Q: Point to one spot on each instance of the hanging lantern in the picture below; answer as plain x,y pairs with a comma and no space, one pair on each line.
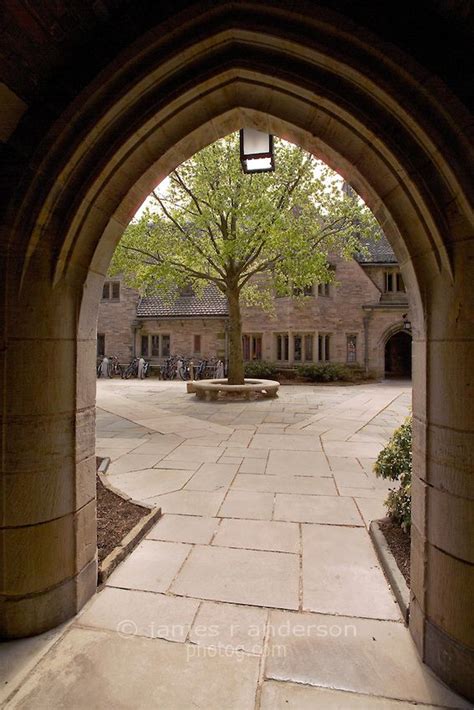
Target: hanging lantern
256,151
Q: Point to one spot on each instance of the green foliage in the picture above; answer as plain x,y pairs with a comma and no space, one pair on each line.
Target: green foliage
395,463
325,372
249,235
216,224
260,369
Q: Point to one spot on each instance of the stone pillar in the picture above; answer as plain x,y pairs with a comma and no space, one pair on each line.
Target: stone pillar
48,512
441,610
291,349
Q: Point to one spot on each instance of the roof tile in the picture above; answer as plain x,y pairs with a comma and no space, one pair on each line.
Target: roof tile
211,303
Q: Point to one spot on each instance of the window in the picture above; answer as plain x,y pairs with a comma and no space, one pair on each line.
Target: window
303,347
100,345
111,291
165,345
282,343
155,346
389,281
351,348
196,344
324,348
298,348
323,290
305,291
252,347
393,281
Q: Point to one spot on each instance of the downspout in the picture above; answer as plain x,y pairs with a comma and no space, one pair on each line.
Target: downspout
366,321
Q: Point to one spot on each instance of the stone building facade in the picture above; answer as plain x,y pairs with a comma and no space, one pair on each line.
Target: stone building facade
359,319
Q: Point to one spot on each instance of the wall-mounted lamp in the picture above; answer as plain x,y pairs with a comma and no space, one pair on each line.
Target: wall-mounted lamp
256,151
406,322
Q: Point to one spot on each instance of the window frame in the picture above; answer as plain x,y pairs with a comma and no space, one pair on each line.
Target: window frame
101,338
282,346
252,347
350,360
108,289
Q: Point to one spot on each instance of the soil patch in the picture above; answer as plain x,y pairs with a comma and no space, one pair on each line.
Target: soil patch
399,544
115,518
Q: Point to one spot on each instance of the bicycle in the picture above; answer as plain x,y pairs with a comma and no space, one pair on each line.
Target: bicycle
183,368
132,369
114,367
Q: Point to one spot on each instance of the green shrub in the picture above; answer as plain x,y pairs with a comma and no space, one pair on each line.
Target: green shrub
325,372
261,369
395,463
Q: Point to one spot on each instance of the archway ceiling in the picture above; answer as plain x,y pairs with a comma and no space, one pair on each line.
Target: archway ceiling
346,101
40,42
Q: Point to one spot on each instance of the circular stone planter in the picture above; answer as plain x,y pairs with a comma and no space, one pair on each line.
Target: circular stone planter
210,389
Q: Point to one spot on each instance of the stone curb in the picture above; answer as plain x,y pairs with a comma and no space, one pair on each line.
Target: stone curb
390,568
131,540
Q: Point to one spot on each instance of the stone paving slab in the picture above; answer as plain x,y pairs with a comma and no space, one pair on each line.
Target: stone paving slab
135,613
152,566
293,696
150,482
357,655
184,528
90,670
247,504
267,579
220,559
286,442
212,477
371,509
258,535
190,502
310,485
341,574
133,462
301,463
227,626
325,510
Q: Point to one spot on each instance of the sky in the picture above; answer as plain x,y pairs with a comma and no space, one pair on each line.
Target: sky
162,188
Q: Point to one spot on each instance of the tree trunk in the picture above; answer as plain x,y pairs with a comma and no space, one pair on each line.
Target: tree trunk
236,361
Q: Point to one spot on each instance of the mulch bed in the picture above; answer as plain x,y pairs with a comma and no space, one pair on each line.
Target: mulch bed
399,544
115,518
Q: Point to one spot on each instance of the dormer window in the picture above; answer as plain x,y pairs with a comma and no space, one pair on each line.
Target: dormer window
111,291
393,282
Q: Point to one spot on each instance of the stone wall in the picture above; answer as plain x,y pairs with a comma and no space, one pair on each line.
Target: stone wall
116,322
355,302
182,332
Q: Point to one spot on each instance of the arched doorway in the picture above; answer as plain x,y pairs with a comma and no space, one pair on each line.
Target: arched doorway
398,355
340,92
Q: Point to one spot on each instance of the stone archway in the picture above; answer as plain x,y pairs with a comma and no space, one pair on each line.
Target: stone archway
397,353
346,96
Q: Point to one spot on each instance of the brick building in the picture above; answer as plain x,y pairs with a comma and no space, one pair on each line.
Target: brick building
358,319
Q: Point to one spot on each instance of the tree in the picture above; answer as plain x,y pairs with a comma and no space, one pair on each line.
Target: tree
248,234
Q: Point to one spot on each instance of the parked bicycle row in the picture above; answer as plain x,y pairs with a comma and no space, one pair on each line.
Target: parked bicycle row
174,367
110,367
185,368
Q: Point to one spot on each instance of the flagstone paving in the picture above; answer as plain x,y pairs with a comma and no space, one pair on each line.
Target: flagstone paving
259,587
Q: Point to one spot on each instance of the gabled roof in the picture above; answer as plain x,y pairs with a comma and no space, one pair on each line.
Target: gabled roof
380,252
211,304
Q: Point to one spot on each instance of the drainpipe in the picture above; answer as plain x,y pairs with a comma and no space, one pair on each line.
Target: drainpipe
136,327
366,321
226,345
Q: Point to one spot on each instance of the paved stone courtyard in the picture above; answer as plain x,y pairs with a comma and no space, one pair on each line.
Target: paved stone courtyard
259,587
